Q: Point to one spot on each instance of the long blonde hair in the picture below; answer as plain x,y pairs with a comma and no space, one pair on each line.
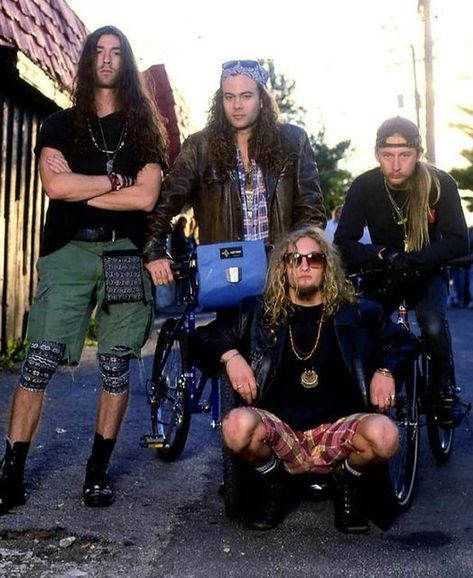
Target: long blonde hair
336,289
423,192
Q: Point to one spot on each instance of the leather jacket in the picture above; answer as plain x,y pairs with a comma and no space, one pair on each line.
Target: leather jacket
294,195
366,337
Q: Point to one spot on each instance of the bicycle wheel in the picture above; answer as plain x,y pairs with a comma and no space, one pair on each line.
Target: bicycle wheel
233,491
440,438
403,466
169,375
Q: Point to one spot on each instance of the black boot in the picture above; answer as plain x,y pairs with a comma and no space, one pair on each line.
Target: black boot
349,518
450,410
267,506
12,489
97,491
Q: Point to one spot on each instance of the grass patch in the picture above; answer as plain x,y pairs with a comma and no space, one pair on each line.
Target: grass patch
15,353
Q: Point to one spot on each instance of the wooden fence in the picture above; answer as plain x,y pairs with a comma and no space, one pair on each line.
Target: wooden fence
22,212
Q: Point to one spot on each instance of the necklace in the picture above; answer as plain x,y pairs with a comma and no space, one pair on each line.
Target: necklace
309,377
111,154
398,216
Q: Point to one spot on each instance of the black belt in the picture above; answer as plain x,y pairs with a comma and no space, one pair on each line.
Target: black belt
96,235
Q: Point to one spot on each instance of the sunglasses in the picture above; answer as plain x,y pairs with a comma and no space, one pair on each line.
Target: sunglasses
242,63
314,260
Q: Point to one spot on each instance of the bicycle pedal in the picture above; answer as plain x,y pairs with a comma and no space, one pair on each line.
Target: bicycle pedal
153,441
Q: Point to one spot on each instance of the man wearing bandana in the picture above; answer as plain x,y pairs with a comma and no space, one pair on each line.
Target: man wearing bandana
246,175
415,219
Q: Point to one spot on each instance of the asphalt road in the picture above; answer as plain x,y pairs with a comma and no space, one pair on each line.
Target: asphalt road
168,519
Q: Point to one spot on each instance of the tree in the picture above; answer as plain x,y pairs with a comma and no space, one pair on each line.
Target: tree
464,177
334,181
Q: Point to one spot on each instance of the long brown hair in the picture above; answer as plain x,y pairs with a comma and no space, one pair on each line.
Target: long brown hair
265,145
145,126
336,289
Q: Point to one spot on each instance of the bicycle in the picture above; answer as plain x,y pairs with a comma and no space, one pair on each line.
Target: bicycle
415,397
174,391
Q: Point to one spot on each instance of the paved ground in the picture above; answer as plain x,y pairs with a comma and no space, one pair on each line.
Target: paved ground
168,518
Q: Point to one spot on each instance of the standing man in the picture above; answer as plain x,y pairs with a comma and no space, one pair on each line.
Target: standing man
246,175
313,365
416,222
100,165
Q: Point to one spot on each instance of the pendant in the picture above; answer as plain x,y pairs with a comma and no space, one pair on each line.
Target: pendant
109,166
309,378
401,221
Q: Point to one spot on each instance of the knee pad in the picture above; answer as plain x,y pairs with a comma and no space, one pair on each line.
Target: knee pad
40,364
115,370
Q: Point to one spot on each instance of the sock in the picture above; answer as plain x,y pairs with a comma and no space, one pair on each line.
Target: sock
269,466
101,452
348,470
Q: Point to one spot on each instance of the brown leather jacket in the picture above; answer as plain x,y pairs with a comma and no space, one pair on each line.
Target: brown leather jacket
294,195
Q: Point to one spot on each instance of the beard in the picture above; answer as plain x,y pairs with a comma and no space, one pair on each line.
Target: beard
307,292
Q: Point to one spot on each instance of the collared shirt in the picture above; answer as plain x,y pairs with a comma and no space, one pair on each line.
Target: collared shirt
253,202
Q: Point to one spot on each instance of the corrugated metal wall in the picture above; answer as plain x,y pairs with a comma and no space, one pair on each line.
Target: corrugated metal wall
22,212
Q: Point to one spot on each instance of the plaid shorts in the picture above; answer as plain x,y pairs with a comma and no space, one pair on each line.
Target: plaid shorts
312,451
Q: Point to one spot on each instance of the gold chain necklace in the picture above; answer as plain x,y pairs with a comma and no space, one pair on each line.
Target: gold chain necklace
111,154
399,217
309,377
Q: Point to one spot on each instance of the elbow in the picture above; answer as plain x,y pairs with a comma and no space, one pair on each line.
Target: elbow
148,206
53,191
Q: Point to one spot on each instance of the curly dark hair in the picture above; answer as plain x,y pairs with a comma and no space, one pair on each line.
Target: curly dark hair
265,145
145,125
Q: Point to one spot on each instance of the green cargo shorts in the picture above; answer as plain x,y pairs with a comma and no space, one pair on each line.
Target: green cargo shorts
71,287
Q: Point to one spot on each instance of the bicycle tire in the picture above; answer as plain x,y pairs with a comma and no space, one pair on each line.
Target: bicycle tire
169,374
441,439
403,466
233,492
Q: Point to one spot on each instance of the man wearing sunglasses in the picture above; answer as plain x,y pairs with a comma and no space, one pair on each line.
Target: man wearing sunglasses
315,370
246,175
415,219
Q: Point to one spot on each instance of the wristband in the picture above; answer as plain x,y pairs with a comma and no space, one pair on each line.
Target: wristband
114,182
225,361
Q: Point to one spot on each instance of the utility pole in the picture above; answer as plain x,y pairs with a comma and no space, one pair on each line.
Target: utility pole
424,6
417,102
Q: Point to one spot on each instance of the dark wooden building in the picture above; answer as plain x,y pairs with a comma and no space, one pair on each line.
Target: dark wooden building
40,44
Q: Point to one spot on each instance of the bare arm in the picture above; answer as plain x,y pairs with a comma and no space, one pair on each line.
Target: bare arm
59,182
142,196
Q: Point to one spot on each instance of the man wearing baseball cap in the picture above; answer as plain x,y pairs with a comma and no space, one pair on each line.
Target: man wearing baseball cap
415,219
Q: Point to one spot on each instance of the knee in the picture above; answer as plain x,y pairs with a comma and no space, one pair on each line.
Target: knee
239,428
115,370
383,436
41,362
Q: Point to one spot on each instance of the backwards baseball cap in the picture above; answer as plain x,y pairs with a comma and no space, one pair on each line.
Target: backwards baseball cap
250,68
402,126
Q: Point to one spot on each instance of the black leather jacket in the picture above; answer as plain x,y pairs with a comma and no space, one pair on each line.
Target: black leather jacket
366,337
294,195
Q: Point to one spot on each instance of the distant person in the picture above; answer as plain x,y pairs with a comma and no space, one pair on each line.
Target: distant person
415,218
313,365
332,225
246,175
100,165
181,249
180,244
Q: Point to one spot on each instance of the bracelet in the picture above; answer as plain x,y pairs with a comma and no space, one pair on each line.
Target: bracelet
225,361
114,181
384,371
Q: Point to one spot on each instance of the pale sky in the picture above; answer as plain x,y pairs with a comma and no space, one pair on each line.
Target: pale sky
351,59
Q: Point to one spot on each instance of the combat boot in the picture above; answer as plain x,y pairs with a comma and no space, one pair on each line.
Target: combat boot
12,488
349,517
